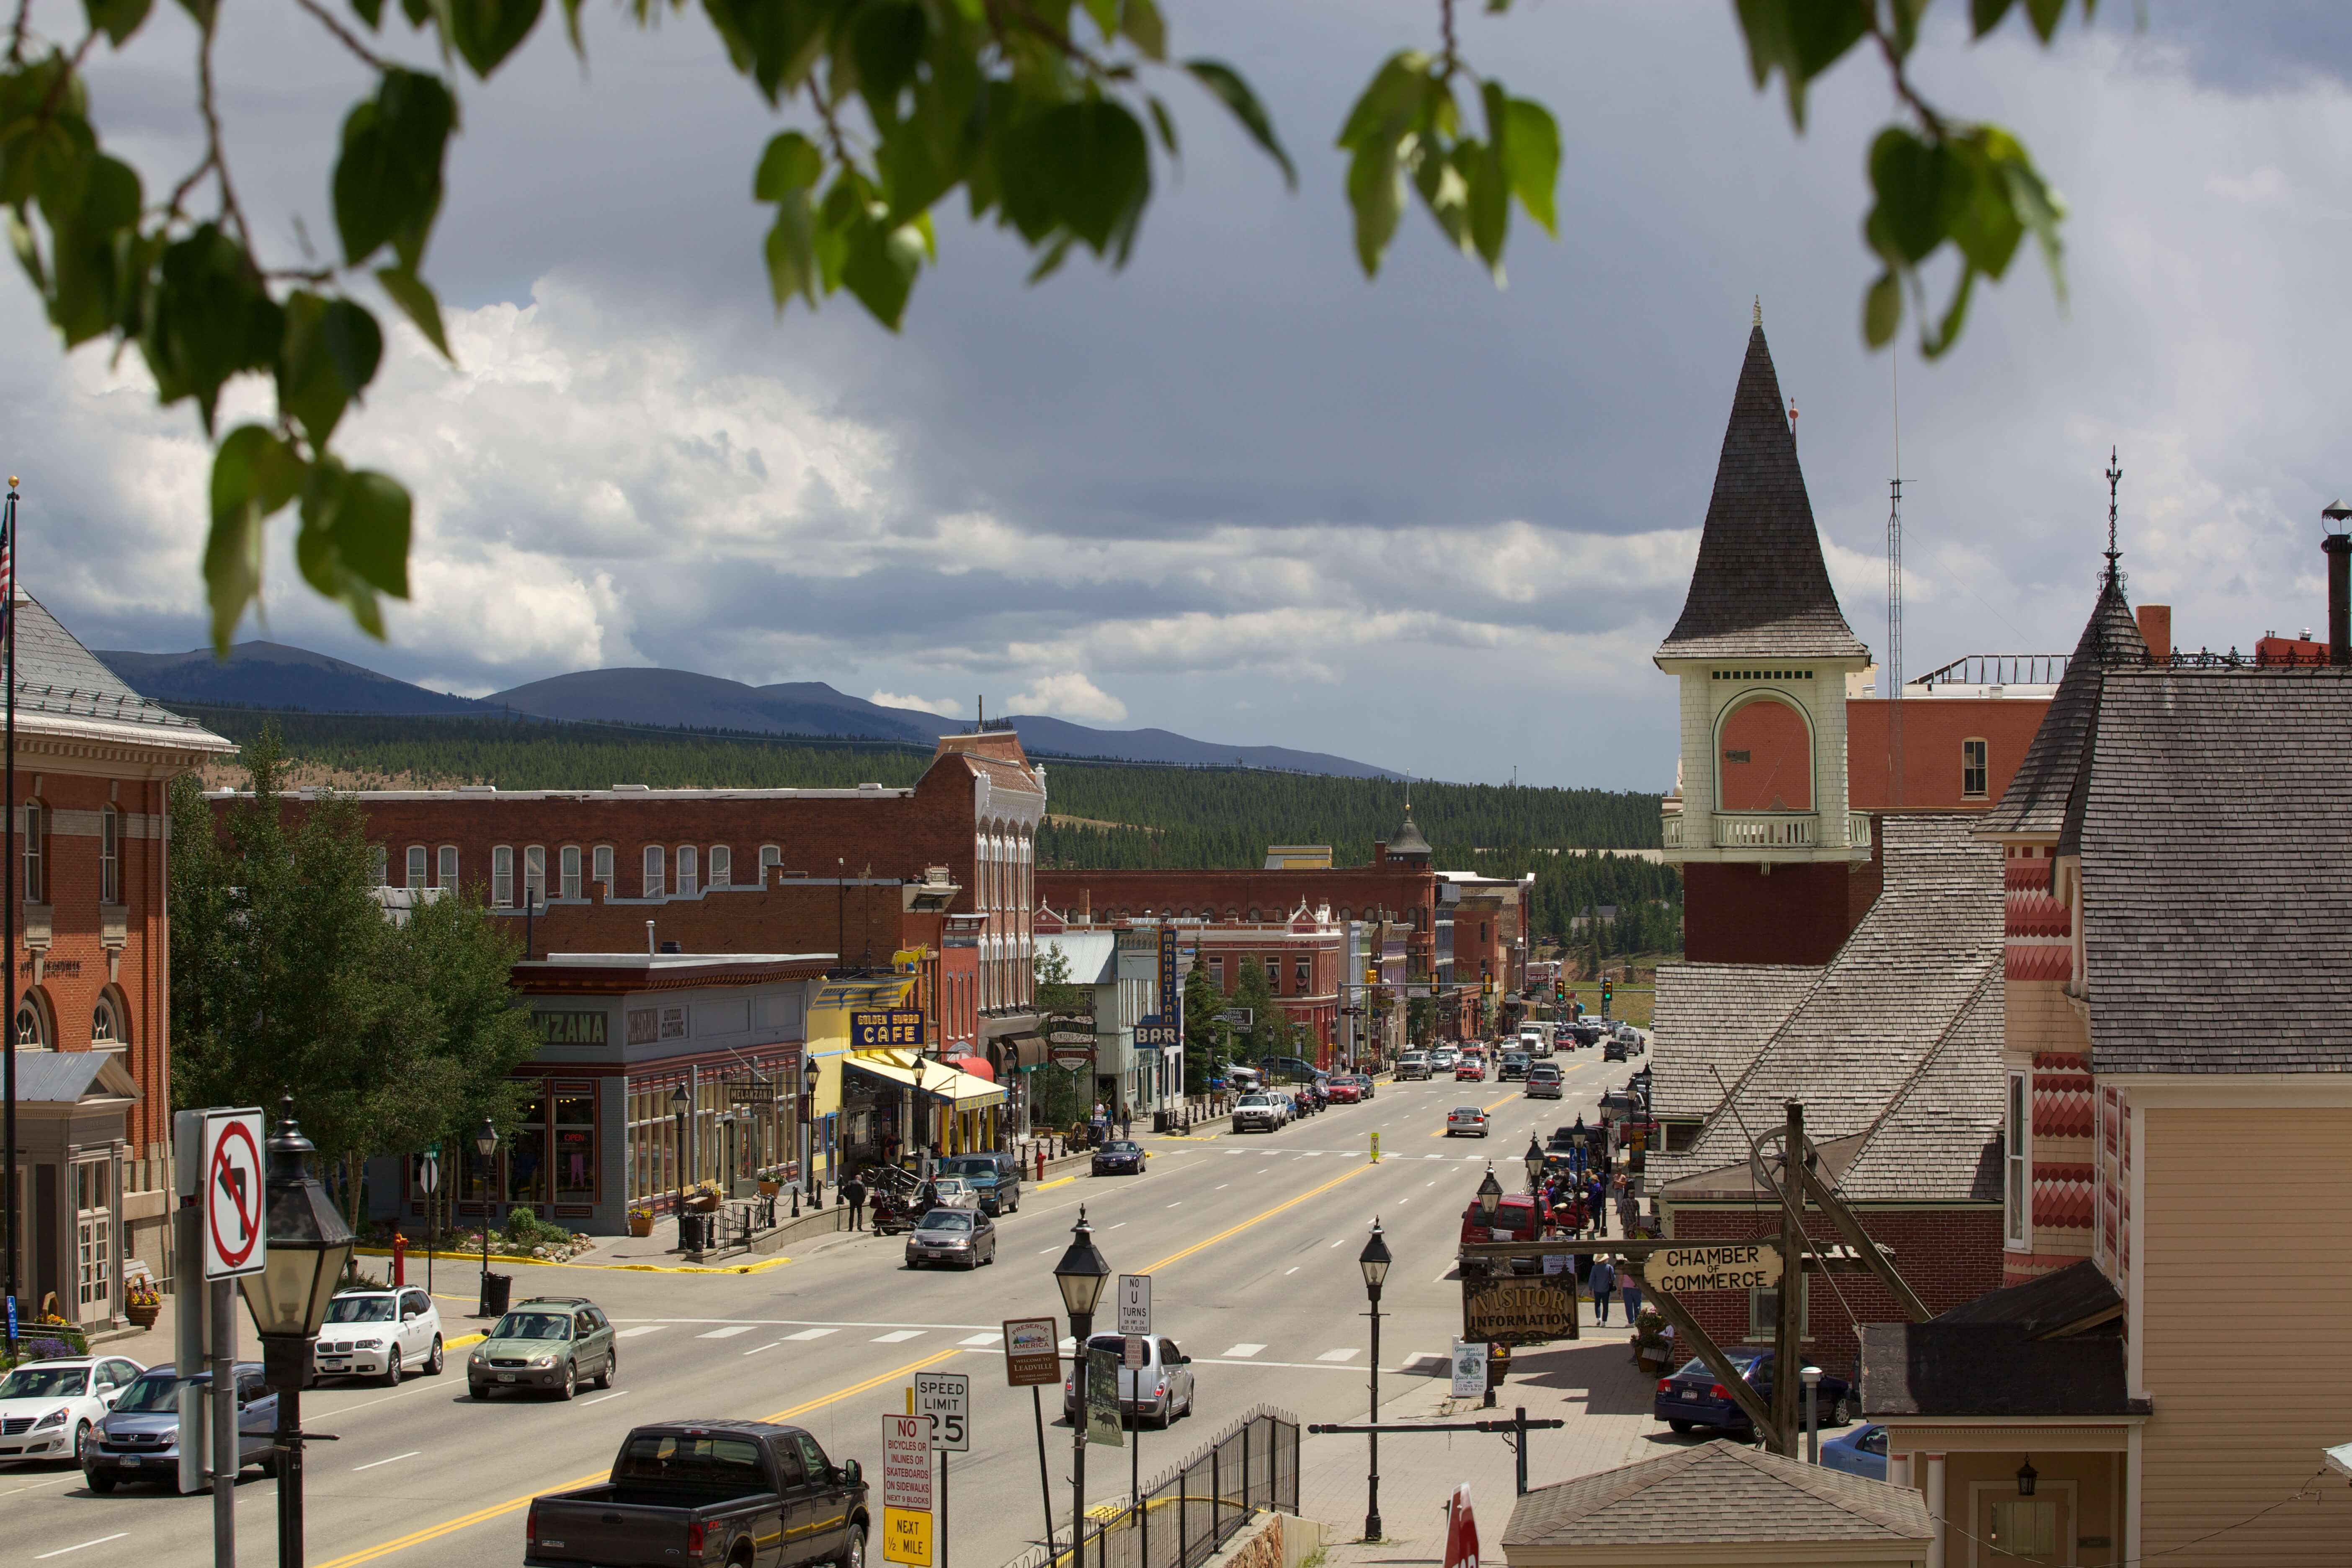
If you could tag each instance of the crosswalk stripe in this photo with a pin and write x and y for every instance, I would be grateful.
(898, 1336)
(981, 1339)
(1243, 1350)
(641, 1329)
(1347, 1354)
(729, 1332)
(811, 1333)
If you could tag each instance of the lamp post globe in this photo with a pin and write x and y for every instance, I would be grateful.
(308, 1245)
(1081, 1275)
(1374, 1261)
(1535, 1162)
(1490, 1194)
(811, 1075)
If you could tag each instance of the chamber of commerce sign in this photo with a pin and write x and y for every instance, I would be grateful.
(1732, 1266)
(898, 1026)
(1519, 1309)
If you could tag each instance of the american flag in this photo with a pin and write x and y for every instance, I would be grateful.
(9, 563)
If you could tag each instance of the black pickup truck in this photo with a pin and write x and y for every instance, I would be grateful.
(729, 1494)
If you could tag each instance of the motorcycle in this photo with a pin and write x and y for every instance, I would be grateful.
(892, 1214)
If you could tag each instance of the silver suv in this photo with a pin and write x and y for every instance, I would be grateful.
(1412, 1065)
(1257, 1114)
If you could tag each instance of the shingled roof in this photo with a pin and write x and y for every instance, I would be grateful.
(1897, 1043)
(2216, 838)
(2035, 800)
(1760, 589)
(64, 688)
(1711, 1021)
(1718, 1493)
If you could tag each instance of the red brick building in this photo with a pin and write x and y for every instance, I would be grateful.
(1304, 962)
(93, 761)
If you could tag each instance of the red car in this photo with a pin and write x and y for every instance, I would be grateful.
(1472, 1070)
(1345, 1091)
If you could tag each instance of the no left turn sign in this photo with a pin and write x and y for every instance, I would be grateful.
(235, 1242)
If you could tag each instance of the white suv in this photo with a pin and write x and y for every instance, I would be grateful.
(379, 1333)
(1258, 1112)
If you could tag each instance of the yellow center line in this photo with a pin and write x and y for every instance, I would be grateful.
(1254, 1219)
(516, 1504)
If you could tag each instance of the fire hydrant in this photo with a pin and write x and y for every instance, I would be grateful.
(1041, 1162)
(399, 1259)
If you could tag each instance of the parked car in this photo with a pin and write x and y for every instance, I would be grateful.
(138, 1440)
(1345, 1091)
(550, 1343)
(965, 1237)
(954, 1193)
(1861, 1452)
(48, 1409)
(1543, 1081)
(1466, 1118)
(708, 1491)
(1120, 1156)
(378, 1334)
(1412, 1065)
(1258, 1114)
(1517, 1218)
(1690, 1397)
(996, 1177)
(1158, 1391)
(1470, 1070)
(1514, 1065)
(1364, 1082)
(1287, 1070)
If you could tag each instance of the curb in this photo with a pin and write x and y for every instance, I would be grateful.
(761, 1266)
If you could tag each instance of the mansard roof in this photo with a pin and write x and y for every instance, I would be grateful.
(1760, 589)
(2035, 800)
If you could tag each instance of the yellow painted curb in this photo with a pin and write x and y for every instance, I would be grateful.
(462, 1341)
(1058, 1181)
(759, 1268)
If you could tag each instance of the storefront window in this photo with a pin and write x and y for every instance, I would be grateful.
(576, 1148)
(527, 1156)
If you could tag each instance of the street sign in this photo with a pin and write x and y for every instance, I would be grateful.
(1738, 1266)
(1136, 1353)
(232, 1199)
(1032, 1358)
(946, 1398)
(906, 1462)
(1519, 1309)
(1469, 1368)
(906, 1537)
(1135, 1303)
(428, 1173)
(1072, 1056)
(1243, 1018)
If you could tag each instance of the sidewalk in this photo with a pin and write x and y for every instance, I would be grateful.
(1589, 1383)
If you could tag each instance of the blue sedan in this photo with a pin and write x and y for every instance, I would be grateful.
(1861, 1452)
(1119, 1155)
(1692, 1397)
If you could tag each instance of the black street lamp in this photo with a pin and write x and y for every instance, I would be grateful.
(308, 1244)
(1374, 1261)
(810, 1073)
(1490, 1194)
(1082, 1273)
(1534, 1158)
(485, 1145)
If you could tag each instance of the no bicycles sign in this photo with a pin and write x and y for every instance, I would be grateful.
(235, 1240)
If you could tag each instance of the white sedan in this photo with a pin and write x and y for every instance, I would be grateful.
(49, 1408)
(956, 1193)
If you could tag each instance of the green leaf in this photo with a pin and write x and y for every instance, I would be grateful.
(791, 250)
(371, 12)
(1983, 225)
(1486, 202)
(1882, 311)
(1391, 102)
(1984, 15)
(118, 19)
(1085, 167)
(1914, 205)
(1162, 124)
(1530, 147)
(254, 474)
(331, 351)
(887, 41)
(1377, 198)
(207, 317)
(415, 300)
(2037, 206)
(485, 32)
(1145, 27)
(879, 267)
(388, 181)
(1948, 333)
(95, 257)
(1235, 94)
(792, 163)
(1801, 39)
(354, 542)
(777, 42)
(2045, 16)
(1105, 13)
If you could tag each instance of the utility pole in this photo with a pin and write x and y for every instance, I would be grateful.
(1787, 1338)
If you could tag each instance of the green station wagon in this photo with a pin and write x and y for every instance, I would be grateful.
(553, 1344)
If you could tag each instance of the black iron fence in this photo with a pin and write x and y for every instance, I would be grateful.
(1185, 1516)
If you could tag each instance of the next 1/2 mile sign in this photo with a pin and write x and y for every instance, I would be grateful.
(1734, 1266)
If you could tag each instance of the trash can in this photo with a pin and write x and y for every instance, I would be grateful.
(1160, 1122)
(693, 1231)
(497, 1290)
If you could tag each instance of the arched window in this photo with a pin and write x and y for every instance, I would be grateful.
(570, 866)
(600, 866)
(1764, 754)
(655, 883)
(33, 1031)
(416, 865)
(37, 852)
(772, 859)
(110, 856)
(722, 866)
(502, 877)
(534, 876)
(688, 871)
(106, 1022)
(449, 869)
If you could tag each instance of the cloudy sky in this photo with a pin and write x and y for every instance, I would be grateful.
(1236, 491)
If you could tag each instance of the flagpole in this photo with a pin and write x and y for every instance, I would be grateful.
(9, 1210)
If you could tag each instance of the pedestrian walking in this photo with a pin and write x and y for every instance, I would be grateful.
(1629, 1289)
(1604, 1285)
(853, 1192)
(1126, 1119)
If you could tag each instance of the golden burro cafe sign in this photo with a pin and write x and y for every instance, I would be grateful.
(1519, 1309)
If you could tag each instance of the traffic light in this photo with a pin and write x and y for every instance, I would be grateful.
(1559, 991)
(1604, 994)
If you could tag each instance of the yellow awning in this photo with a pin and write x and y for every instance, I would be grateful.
(968, 1090)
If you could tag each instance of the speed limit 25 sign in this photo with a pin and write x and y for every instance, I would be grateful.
(946, 1398)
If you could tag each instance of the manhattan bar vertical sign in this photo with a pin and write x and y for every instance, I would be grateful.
(1171, 1004)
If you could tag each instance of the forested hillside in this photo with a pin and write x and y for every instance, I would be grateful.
(1125, 814)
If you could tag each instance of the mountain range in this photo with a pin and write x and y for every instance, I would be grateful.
(273, 675)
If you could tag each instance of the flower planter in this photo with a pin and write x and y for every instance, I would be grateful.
(641, 1224)
(144, 1313)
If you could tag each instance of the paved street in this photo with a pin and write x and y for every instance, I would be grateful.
(1252, 1241)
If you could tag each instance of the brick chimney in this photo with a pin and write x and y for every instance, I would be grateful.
(1086, 908)
(1380, 852)
(2155, 629)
